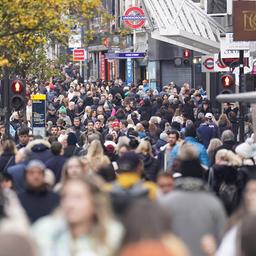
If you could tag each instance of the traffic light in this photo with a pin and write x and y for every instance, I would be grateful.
(227, 84)
(17, 95)
(186, 57)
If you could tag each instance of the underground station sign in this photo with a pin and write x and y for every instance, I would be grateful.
(134, 17)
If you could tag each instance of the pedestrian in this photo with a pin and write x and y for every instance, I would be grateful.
(7, 157)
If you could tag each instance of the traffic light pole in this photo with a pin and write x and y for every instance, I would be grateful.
(6, 91)
(241, 89)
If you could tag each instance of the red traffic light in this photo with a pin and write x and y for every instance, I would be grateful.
(186, 54)
(17, 86)
(227, 80)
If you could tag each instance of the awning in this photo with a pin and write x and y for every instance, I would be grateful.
(183, 23)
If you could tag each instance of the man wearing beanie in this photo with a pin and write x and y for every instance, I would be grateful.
(63, 115)
(37, 200)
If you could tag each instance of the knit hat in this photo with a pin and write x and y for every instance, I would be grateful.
(62, 110)
(116, 124)
(52, 87)
(36, 163)
(246, 149)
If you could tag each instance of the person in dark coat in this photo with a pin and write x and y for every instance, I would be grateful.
(151, 167)
(40, 150)
(7, 158)
(188, 109)
(51, 115)
(145, 110)
(116, 89)
(37, 200)
(23, 135)
(56, 162)
(72, 149)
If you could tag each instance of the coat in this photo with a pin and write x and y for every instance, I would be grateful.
(38, 203)
(40, 150)
(6, 159)
(151, 167)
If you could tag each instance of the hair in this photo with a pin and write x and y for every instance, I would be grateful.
(176, 133)
(228, 157)
(9, 146)
(227, 135)
(56, 148)
(165, 174)
(96, 157)
(64, 172)
(190, 131)
(136, 222)
(224, 119)
(23, 131)
(102, 213)
(144, 148)
(214, 143)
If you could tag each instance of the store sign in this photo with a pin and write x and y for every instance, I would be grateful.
(129, 71)
(38, 114)
(102, 66)
(244, 20)
(79, 55)
(125, 55)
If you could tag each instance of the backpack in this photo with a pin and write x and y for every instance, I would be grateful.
(229, 195)
(122, 198)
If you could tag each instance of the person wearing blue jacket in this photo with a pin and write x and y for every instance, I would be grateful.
(190, 138)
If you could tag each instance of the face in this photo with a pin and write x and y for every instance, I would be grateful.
(110, 97)
(76, 122)
(250, 196)
(165, 184)
(77, 203)
(97, 125)
(90, 126)
(24, 139)
(172, 139)
(54, 131)
(35, 177)
(122, 151)
(74, 168)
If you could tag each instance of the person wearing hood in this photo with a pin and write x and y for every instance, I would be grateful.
(40, 149)
(194, 211)
(151, 167)
(36, 199)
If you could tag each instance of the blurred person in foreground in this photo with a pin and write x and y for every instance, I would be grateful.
(36, 199)
(194, 211)
(83, 225)
(148, 232)
(129, 185)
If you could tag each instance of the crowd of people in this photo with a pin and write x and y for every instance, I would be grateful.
(127, 170)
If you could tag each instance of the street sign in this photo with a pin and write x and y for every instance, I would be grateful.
(207, 63)
(38, 114)
(75, 41)
(230, 48)
(129, 71)
(125, 55)
(79, 55)
(134, 17)
(102, 66)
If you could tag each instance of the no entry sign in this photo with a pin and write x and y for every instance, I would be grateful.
(78, 55)
(134, 17)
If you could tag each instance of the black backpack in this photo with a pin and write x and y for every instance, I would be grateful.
(229, 195)
(122, 198)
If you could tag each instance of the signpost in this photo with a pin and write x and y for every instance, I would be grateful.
(134, 17)
(38, 114)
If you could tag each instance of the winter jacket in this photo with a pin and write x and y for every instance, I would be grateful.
(206, 132)
(202, 153)
(6, 160)
(40, 150)
(38, 203)
(151, 167)
(55, 163)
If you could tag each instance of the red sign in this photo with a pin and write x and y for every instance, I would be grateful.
(102, 65)
(209, 63)
(134, 17)
(78, 55)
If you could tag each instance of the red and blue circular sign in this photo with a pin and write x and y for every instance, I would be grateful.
(134, 17)
(209, 63)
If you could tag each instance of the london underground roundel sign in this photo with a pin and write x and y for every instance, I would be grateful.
(134, 17)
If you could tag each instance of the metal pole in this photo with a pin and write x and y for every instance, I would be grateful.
(7, 110)
(241, 89)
